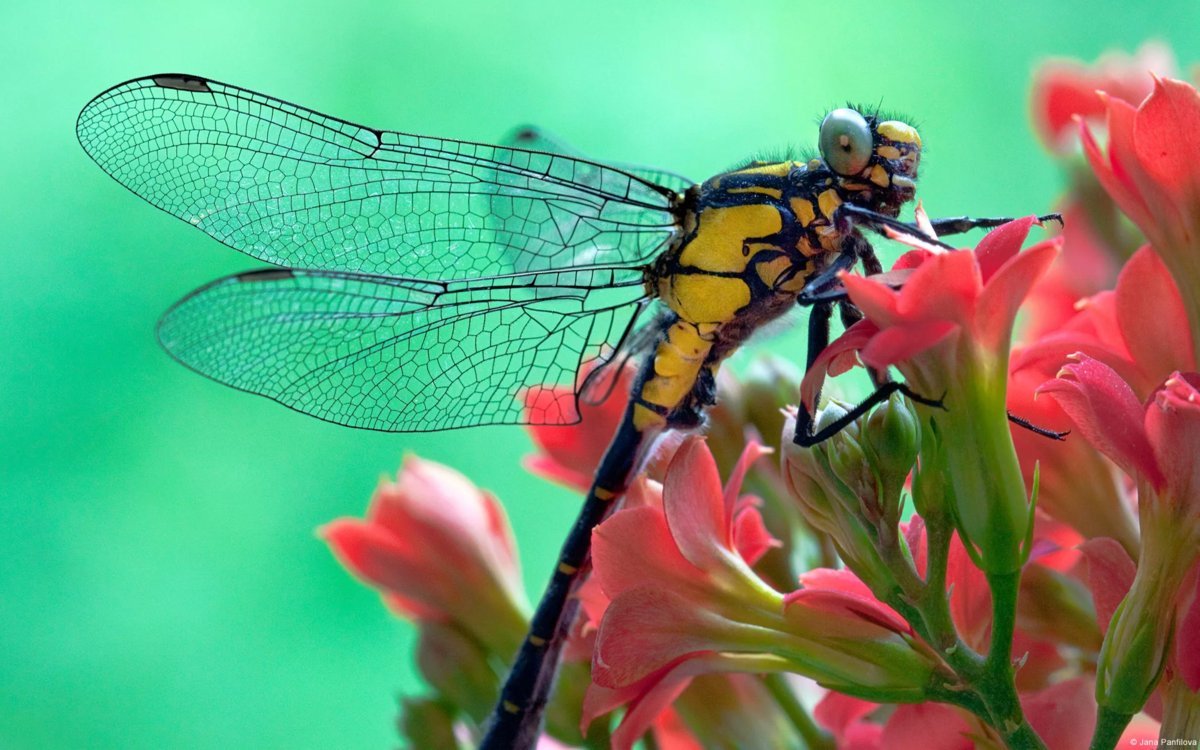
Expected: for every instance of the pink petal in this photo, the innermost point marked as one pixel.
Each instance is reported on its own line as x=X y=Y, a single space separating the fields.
x=877 y=301
x=1001 y=244
x=945 y=287
x=751 y=537
x=835 y=579
x=1120 y=176
x=379 y=558
x=910 y=260
x=1186 y=661
x=1107 y=412
x=927 y=726
x=1141 y=732
x=1110 y=574
x=694 y=504
x=1006 y=289
x=1058 y=712
x=547 y=468
x=1152 y=317
x=836 y=711
x=835 y=359
x=753 y=451
x=634 y=546
x=1167 y=137
x=1173 y=425
x=656 y=698
x=840 y=615
x=649 y=627
x=902 y=343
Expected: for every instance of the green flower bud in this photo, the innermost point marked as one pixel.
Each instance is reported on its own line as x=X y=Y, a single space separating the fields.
x=458 y=668
x=890 y=440
x=427 y=723
x=770 y=384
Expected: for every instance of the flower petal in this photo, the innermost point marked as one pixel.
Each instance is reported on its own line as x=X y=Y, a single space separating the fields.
x=1108 y=414
x=1173 y=425
x=1006 y=289
x=944 y=287
x=694 y=504
x=1057 y=712
x=754 y=451
x=751 y=537
x=1110 y=574
x=1186 y=661
x=901 y=343
x=649 y=627
x=633 y=546
x=1001 y=245
x=1112 y=168
x=1152 y=317
x=1167 y=138
x=838 y=711
x=927 y=726
x=838 y=357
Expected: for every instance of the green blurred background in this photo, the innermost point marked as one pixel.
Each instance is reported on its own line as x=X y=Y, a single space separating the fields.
x=160 y=581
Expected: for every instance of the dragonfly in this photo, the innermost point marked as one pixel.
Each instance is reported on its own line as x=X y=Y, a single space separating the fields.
x=421 y=283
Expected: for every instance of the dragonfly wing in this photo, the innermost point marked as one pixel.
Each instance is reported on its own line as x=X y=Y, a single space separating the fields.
x=535 y=139
x=406 y=355
x=297 y=188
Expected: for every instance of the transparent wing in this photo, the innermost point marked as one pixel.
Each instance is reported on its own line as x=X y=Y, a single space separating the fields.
x=405 y=355
x=535 y=139
x=297 y=188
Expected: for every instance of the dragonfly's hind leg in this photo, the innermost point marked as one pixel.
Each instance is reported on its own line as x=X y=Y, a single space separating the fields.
x=821 y=293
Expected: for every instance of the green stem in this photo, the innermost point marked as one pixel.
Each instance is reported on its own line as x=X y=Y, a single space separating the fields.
x=997 y=681
x=814 y=737
x=935 y=604
x=1109 y=726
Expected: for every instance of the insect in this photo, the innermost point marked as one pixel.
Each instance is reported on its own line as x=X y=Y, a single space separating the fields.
x=426 y=284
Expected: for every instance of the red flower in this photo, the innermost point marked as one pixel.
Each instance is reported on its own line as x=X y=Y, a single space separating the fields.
x=1150 y=169
x=683 y=601
x=1066 y=89
x=948 y=330
x=1076 y=483
x=439 y=549
x=569 y=454
x=1139 y=330
x=1157 y=443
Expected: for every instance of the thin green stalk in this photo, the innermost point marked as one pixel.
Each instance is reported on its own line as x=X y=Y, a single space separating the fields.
x=814 y=737
x=1109 y=726
x=996 y=684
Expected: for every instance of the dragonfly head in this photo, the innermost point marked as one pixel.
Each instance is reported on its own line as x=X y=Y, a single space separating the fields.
x=874 y=161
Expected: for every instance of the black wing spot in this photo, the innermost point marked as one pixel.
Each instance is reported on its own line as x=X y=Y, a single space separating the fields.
x=183 y=83
x=270 y=274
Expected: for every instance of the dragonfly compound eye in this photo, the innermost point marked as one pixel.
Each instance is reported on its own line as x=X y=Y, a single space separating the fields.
x=846 y=141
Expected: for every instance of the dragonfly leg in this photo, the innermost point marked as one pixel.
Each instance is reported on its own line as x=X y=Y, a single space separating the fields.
x=820 y=283
x=1035 y=429
x=960 y=224
x=882 y=393
x=818 y=339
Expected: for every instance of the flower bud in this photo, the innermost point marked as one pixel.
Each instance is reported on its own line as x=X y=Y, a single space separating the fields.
x=869 y=651
x=458 y=668
x=832 y=486
x=1131 y=660
x=426 y=723
x=891 y=438
x=770 y=384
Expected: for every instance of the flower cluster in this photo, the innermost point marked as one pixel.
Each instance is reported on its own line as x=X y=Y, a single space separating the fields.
x=942 y=572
